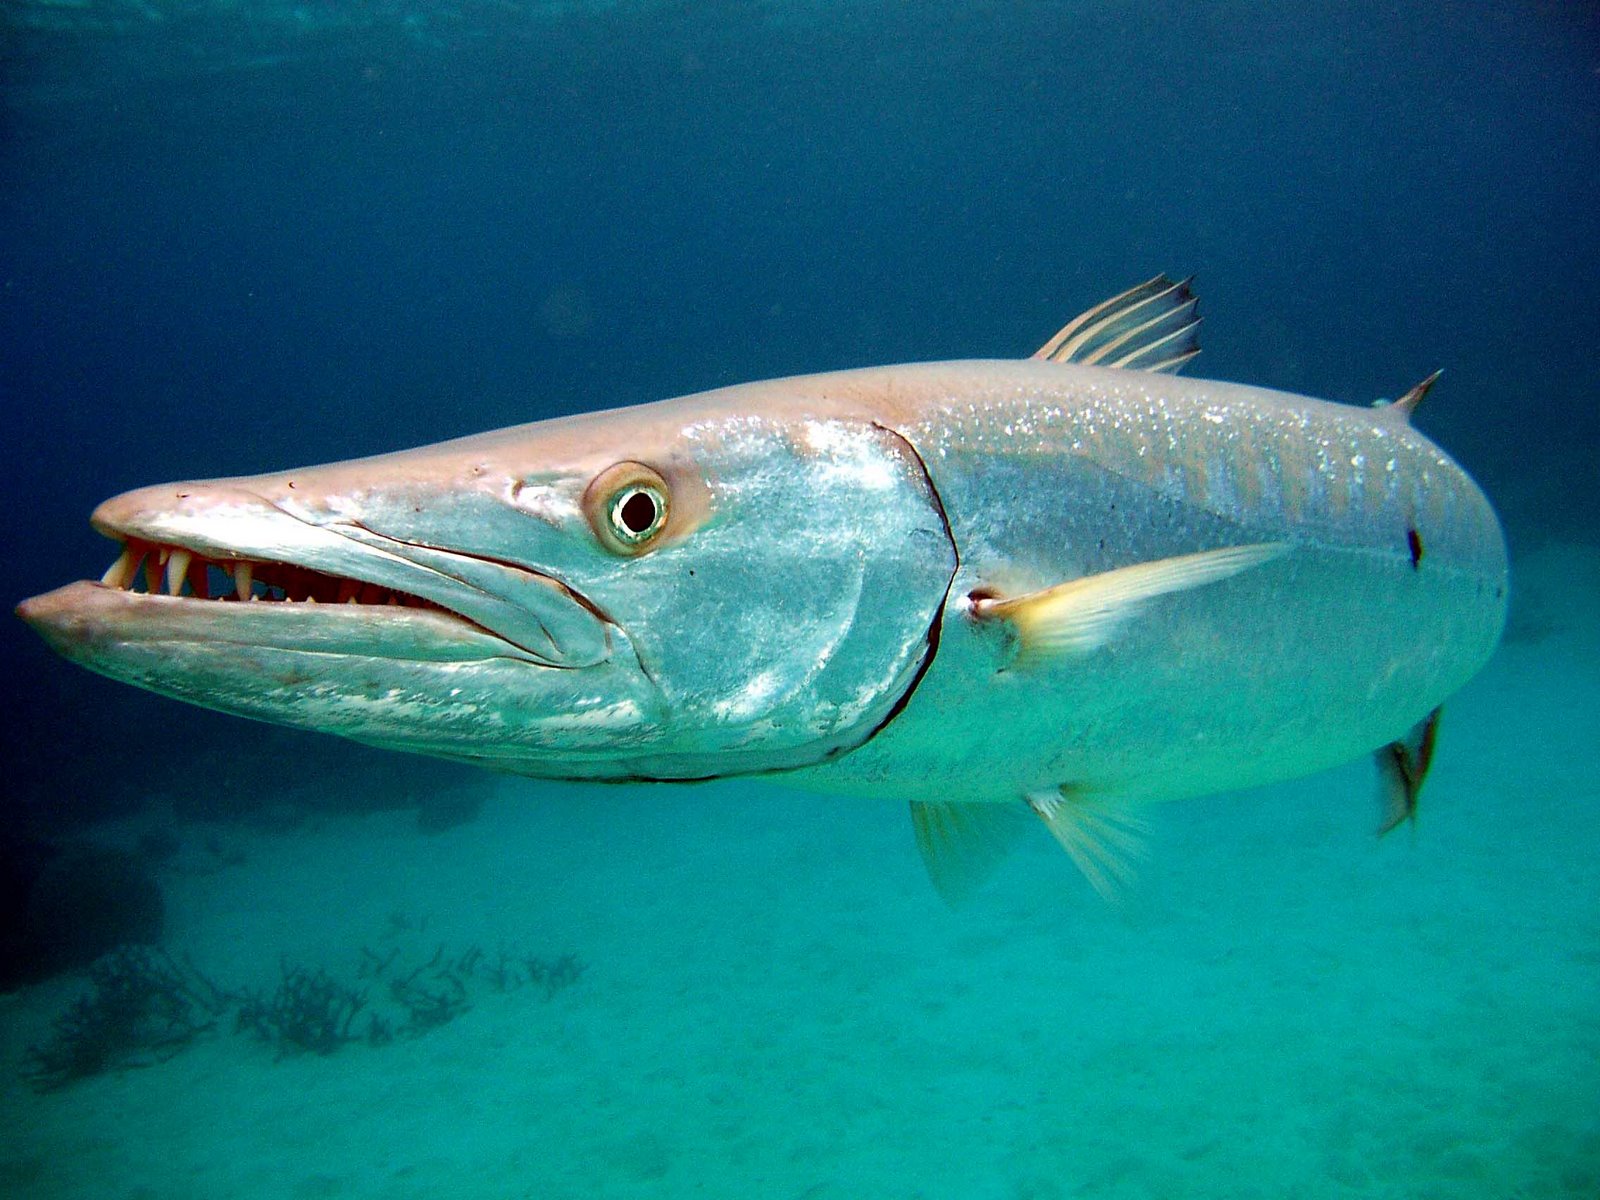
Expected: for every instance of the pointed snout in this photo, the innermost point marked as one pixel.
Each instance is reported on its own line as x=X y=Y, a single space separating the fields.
x=338 y=537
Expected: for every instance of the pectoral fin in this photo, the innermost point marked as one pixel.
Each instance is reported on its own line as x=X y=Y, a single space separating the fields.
x=1079 y=616
x=1402 y=766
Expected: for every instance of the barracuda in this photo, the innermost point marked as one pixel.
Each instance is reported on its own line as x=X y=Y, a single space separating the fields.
x=1068 y=585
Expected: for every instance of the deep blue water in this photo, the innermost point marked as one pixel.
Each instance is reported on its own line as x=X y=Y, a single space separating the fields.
x=240 y=238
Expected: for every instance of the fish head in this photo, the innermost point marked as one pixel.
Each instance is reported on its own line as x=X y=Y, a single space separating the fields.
x=681 y=590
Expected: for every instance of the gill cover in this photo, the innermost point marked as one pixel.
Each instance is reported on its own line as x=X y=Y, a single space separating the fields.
x=785 y=604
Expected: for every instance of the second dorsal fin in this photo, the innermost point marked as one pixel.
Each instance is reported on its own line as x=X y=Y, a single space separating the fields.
x=1407 y=404
x=1147 y=328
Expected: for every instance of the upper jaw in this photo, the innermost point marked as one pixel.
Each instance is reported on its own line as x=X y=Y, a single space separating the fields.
x=221 y=541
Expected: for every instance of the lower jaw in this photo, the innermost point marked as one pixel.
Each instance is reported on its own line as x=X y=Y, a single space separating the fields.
x=84 y=621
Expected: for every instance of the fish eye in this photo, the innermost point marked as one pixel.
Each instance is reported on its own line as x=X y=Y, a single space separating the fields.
x=628 y=506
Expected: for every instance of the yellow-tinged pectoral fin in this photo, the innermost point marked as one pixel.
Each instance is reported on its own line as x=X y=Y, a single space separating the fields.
x=1078 y=616
x=1103 y=835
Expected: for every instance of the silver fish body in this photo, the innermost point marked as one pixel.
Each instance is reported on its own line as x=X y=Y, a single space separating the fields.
x=1392 y=594
x=954 y=583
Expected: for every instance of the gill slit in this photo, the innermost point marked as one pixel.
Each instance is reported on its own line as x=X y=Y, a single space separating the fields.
x=936 y=627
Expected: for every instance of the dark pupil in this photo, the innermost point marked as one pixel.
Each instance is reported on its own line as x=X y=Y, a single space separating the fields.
x=638 y=513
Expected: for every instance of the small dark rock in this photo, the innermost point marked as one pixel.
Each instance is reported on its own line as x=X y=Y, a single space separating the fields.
x=78 y=905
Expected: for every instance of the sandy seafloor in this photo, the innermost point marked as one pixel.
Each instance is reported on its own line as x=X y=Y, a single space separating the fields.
x=778 y=1005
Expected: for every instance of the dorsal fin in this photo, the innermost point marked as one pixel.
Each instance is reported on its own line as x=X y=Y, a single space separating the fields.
x=1407 y=404
x=1147 y=328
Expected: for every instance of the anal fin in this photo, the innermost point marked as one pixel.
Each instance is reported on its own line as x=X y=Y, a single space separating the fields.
x=1402 y=767
x=1103 y=836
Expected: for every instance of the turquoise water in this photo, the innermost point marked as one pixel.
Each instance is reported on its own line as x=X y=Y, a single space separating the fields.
x=238 y=236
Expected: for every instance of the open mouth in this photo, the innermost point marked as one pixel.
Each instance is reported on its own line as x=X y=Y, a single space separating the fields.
x=188 y=554
x=524 y=613
x=159 y=569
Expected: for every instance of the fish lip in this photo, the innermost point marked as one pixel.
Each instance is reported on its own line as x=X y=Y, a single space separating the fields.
x=185 y=517
x=78 y=618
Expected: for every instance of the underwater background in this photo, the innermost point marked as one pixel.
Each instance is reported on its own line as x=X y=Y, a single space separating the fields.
x=236 y=236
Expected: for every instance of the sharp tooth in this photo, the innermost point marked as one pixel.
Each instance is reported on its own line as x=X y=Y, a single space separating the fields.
x=347 y=591
x=120 y=573
x=177 y=568
x=311 y=599
x=242 y=580
x=152 y=573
